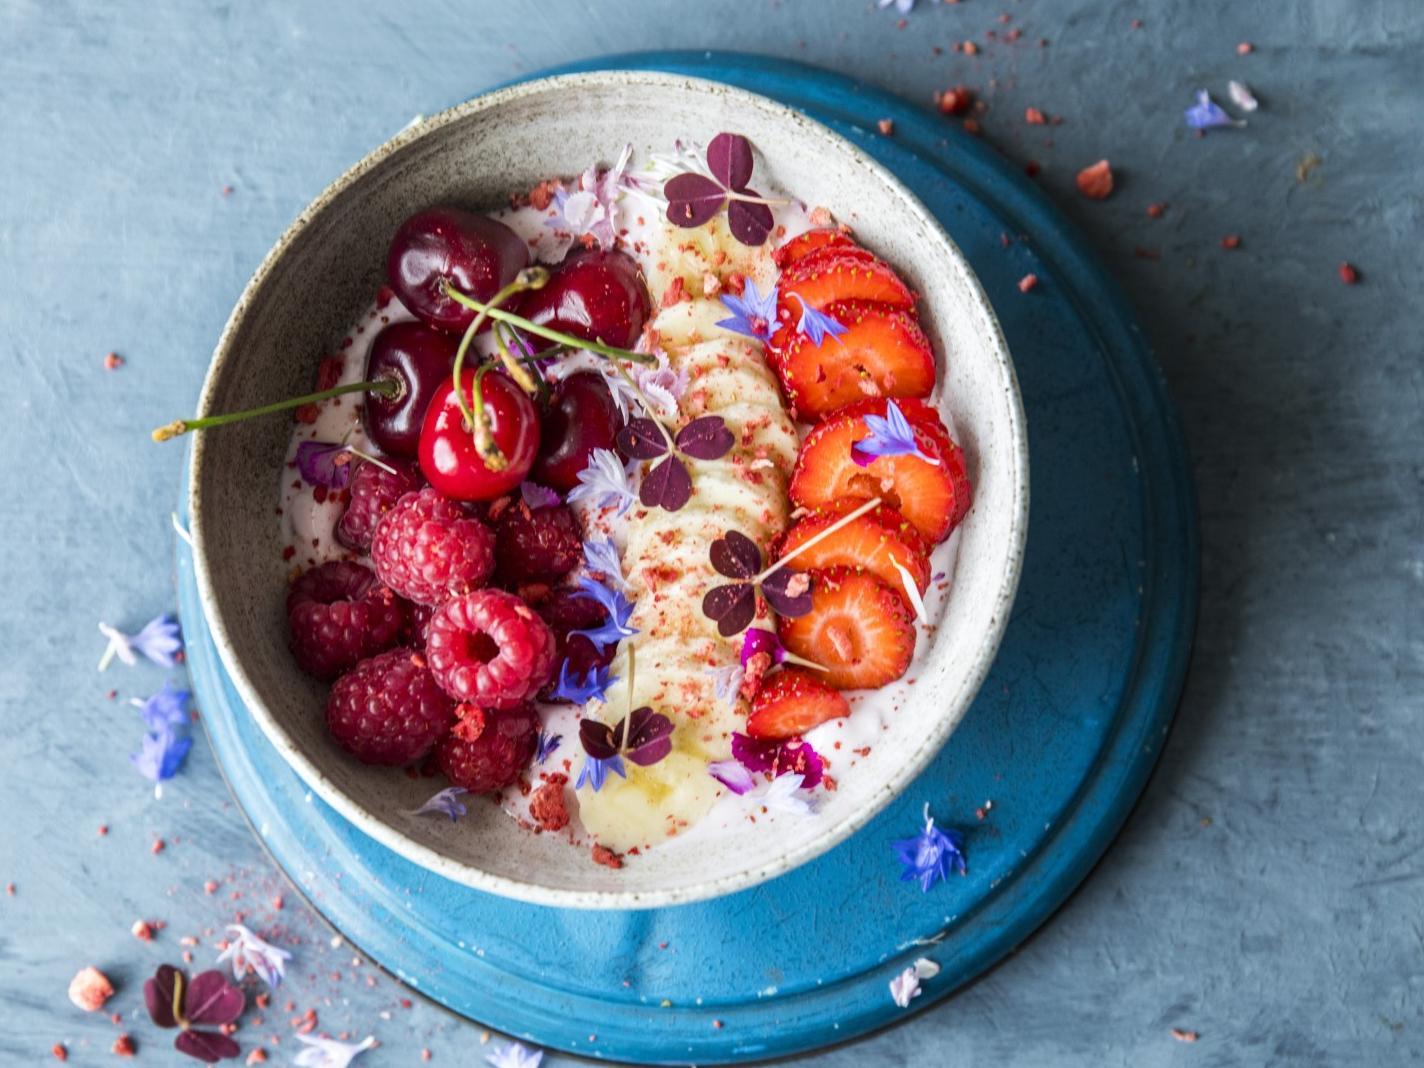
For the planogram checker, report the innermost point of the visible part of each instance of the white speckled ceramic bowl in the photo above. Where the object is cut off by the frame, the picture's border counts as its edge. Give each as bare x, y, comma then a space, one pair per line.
323, 272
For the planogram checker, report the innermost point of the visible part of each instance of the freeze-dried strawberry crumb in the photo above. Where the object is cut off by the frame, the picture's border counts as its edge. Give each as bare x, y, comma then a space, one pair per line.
542, 195
123, 1046
1027, 282
142, 930
1156, 211
1031, 168
1245, 48
1096, 182
1348, 274
158, 846
113, 361
605, 856
89, 989
956, 101
1034, 117
886, 126
1231, 241
59, 1051
328, 372
970, 48
971, 126
257, 1056
548, 806
675, 293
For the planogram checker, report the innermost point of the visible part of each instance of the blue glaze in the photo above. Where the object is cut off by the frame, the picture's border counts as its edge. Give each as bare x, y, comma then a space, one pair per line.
1061, 739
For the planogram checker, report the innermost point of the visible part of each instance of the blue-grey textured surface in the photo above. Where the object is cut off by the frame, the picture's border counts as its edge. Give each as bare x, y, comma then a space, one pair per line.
1267, 892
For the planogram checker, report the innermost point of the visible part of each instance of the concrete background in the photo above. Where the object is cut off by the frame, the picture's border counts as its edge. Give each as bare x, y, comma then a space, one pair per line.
1268, 893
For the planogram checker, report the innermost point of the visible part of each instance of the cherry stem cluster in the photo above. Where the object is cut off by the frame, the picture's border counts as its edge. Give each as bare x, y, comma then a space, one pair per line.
386, 387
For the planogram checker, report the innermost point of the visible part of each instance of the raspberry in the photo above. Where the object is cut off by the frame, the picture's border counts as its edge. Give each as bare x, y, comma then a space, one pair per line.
417, 619
536, 545
488, 748
566, 611
389, 709
428, 548
373, 492
490, 649
339, 614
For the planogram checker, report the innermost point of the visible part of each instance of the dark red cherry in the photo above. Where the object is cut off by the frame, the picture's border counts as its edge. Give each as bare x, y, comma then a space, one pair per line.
581, 417
595, 295
448, 457
418, 358
475, 253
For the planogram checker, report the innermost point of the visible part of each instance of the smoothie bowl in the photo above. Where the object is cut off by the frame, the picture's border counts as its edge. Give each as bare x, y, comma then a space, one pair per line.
649, 503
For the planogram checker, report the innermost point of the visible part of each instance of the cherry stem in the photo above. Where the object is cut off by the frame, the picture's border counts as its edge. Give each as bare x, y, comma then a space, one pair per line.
531, 278
849, 517
485, 445
517, 370
500, 315
385, 387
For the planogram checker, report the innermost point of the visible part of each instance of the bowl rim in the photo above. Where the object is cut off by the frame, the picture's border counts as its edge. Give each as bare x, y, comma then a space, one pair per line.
379, 829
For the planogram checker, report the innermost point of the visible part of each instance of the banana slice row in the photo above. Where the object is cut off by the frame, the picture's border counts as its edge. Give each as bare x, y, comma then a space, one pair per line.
678, 651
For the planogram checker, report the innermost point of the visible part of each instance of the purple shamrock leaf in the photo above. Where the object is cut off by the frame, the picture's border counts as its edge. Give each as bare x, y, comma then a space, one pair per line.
211, 999
731, 607
692, 199
750, 221
642, 439
599, 740
788, 592
667, 486
729, 158
158, 995
706, 438
324, 464
649, 736
735, 555
206, 1046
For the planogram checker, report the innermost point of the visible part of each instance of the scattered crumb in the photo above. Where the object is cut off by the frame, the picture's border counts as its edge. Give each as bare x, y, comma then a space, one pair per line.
1156, 211
886, 126
89, 989
605, 856
1184, 1036
1245, 48
142, 930
1034, 117
1349, 274
1231, 241
61, 1053
123, 1046
113, 361
1096, 182
1027, 282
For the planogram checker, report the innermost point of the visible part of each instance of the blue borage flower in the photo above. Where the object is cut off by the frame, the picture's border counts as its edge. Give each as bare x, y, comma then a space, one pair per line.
594, 685
160, 755
248, 953
726, 682
604, 482
817, 325
1206, 113
546, 745
890, 435
160, 641
166, 709
595, 771
752, 313
513, 1055
615, 628
601, 556
445, 802
930, 854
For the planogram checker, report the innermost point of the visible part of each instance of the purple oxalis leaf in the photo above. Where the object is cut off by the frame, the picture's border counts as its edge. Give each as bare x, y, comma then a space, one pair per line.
706, 438
667, 486
692, 199
729, 158
642, 439
158, 995
735, 555
649, 736
751, 223
732, 607
788, 592
599, 740
207, 1046
211, 999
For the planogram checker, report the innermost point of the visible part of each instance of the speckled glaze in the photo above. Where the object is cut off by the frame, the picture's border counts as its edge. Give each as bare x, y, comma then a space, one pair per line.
324, 270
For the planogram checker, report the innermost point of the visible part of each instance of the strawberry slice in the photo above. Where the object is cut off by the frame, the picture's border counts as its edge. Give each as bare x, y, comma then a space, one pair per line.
858, 628
791, 702
803, 245
932, 496
830, 274
883, 353
876, 542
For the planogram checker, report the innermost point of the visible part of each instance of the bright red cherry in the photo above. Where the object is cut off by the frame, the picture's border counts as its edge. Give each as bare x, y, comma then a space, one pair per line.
595, 295
476, 254
420, 360
448, 456
581, 417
